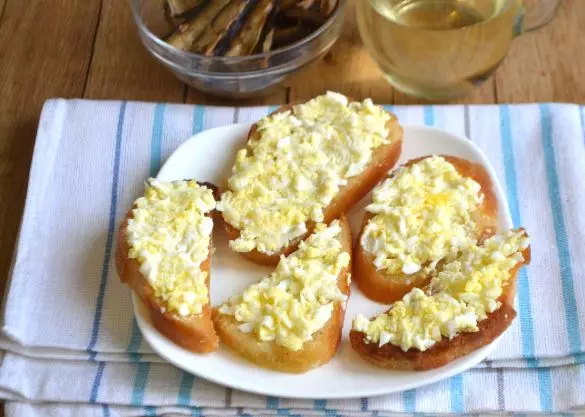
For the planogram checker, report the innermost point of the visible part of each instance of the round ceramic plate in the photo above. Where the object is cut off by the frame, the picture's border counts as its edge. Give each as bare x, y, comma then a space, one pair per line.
208, 156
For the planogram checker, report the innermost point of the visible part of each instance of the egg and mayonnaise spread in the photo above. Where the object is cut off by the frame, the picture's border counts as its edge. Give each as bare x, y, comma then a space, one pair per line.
169, 236
295, 168
423, 214
299, 297
460, 295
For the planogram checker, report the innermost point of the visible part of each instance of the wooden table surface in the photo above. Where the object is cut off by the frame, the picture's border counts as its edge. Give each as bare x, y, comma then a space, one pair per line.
90, 49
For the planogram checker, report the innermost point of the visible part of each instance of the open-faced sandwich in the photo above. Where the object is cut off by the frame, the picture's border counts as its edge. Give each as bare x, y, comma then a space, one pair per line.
423, 213
303, 165
292, 320
163, 254
467, 304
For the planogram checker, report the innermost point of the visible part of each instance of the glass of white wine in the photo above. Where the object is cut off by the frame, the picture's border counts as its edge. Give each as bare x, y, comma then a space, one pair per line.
441, 49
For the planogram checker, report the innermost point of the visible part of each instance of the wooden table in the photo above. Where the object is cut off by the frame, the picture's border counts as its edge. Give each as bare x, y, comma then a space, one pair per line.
90, 49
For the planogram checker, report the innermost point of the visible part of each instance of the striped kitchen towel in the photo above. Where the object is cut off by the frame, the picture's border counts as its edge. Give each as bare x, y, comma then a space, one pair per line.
67, 318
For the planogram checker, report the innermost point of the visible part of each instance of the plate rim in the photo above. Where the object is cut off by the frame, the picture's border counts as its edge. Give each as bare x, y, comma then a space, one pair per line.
144, 321
147, 328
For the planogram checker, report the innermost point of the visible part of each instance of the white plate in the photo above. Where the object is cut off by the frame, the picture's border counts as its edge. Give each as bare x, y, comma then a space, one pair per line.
208, 156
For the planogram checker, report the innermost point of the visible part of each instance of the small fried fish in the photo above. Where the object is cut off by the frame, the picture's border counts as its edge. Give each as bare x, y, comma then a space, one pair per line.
268, 40
307, 17
249, 37
187, 33
178, 8
288, 35
327, 7
225, 24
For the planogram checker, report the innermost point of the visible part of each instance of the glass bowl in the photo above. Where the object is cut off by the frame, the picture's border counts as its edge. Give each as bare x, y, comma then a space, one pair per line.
233, 77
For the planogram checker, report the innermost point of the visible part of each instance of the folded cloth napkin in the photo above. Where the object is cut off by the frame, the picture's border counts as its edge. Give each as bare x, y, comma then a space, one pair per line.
72, 346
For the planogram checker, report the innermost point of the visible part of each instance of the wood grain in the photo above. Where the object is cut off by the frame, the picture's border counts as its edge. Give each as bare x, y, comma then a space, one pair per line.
51, 60
485, 93
2, 7
121, 67
347, 68
548, 64
278, 96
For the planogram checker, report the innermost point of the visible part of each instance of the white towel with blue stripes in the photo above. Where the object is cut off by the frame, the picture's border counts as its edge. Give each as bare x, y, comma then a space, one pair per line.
68, 336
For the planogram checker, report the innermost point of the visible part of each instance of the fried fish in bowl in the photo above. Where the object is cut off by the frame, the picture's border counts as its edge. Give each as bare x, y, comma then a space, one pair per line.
237, 48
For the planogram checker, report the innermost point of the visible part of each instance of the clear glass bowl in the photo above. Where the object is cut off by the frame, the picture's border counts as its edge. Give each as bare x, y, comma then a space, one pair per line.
233, 77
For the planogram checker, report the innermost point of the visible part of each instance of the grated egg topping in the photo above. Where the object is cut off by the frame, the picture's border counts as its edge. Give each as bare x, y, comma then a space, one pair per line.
422, 215
169, 236
285, 178
298, 298
459, 296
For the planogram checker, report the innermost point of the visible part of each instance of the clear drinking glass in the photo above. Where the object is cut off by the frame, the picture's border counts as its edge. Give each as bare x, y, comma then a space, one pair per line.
442, 49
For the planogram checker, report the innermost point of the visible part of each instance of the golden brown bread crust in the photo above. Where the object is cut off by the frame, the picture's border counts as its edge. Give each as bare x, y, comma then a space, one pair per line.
393, 357
195, 333
387, 288
315, 352
383, 159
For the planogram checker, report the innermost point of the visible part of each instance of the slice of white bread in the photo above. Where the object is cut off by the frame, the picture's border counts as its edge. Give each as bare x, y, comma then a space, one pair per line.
195, 332
386, 288
383, 158
315, 352
446, 350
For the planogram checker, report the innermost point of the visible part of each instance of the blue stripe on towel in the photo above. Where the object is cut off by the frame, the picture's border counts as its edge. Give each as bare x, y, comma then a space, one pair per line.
545, 389
456, 390
409, 401
110, 237
429, 115
135, 342
106, 410
140, 382
524, 305
272, 403
143, 369
198, 114
157, 136
560, 228
185, 389
320, 404
581, 110
365, 404
97, 380
107, 253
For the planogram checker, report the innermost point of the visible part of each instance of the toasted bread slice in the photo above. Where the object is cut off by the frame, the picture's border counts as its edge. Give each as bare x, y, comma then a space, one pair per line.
194, 333
386, 288
383, 158
390, 356
313, 353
